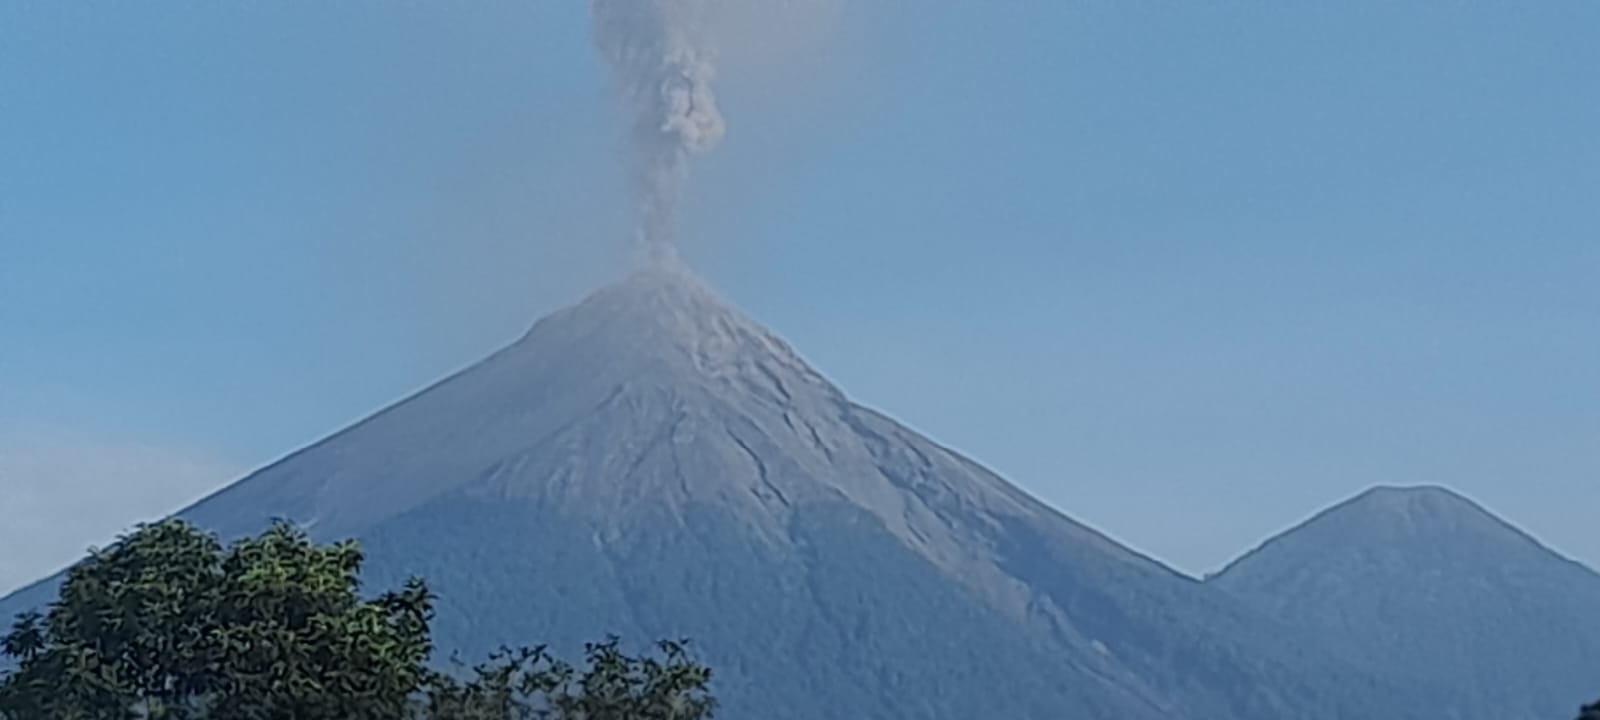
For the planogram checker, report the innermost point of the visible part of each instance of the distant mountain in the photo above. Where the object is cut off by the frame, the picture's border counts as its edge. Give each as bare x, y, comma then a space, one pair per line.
652, 463
1425, 585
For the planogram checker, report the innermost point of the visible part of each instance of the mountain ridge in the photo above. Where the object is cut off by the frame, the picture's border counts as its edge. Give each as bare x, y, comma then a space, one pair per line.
1391, 501
1423, 583
651, 462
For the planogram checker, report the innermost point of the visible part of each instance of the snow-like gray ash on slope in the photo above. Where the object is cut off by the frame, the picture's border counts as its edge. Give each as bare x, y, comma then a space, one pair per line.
653, 463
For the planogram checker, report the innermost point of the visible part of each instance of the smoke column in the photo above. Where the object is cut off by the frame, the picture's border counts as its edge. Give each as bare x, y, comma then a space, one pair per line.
663, 65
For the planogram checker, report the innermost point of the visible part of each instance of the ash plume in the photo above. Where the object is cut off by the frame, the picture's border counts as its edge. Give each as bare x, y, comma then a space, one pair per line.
663, 64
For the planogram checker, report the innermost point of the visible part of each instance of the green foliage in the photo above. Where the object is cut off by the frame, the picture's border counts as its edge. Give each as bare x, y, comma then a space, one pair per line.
170, 625
529, 684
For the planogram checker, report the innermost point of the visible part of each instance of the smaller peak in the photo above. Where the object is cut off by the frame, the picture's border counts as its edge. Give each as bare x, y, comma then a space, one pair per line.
1389, 511
1385, 528
1413, 498
1433, 491
1418, 508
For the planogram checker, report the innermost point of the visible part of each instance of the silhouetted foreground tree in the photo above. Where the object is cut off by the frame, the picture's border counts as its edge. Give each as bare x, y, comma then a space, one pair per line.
170, 625
1590, 712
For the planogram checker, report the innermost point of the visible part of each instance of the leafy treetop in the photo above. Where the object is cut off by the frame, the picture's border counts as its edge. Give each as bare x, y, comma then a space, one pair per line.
169, 624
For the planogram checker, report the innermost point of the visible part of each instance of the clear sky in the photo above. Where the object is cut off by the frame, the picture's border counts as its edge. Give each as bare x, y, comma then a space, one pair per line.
1188, 271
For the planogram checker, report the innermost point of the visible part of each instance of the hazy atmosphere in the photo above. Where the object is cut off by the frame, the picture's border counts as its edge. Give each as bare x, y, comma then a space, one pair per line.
1187, 273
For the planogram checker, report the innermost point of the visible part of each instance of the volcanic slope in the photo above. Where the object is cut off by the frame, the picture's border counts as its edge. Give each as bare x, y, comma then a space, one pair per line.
1421, 583
652, 463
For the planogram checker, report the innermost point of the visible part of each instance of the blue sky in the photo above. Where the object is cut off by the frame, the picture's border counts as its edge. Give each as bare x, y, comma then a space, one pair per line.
1187, 271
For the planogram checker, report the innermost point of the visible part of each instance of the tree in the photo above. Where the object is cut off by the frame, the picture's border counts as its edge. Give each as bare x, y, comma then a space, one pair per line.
528, 684
170, 625
1590, 712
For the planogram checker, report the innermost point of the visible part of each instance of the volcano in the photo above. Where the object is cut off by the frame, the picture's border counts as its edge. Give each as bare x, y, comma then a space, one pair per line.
1426, 585
654, 464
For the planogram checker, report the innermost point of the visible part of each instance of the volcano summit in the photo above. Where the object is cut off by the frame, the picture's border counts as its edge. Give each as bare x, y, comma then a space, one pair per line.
652, 463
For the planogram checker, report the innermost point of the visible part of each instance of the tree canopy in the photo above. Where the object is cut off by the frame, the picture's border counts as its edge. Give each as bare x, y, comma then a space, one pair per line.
169, 624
